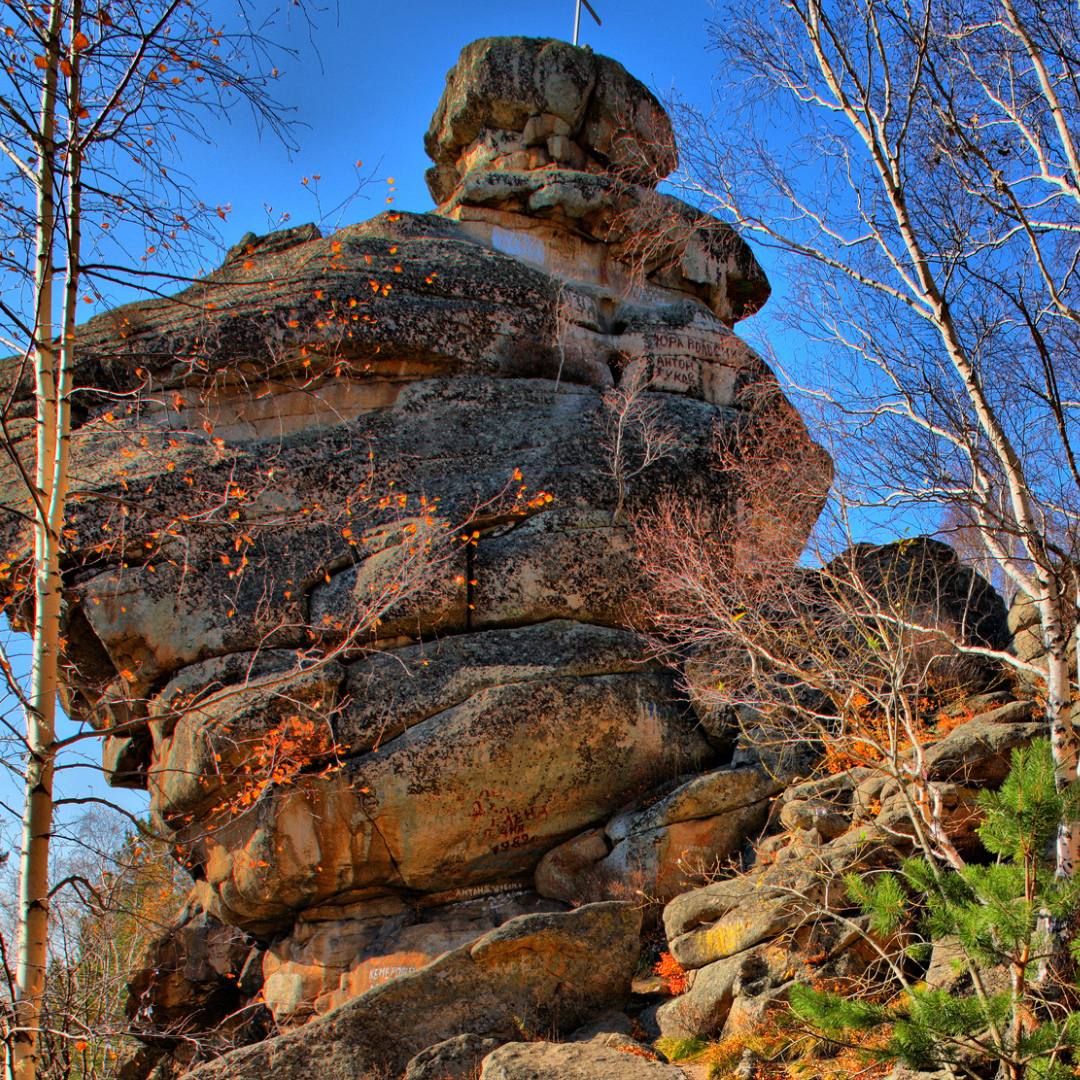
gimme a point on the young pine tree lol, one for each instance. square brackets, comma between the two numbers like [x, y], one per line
[1006, 1023]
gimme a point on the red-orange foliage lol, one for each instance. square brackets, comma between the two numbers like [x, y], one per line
[279, 756]
[867, 731]
[673, 973]
[638, 1051]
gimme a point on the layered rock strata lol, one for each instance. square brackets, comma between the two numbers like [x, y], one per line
[347, 570]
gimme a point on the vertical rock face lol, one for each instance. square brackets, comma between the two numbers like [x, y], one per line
[348, 576]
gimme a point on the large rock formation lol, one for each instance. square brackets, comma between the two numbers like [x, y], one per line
[347, 573]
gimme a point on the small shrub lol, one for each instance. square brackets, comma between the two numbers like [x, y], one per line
[673, 973]
[994, 911]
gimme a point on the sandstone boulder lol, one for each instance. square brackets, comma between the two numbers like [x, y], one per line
[543, 973]
[923, 580]
[532, 136]
[731, 996]
[426, 811]
[575, 1061]
[612, 1023]
[202, 978]
[730, 916]
[746, 916]
[348, 560]
[818, 814]
[458, 1058]
[980, 751]
[658, 849]
[338, 952]
[546, 91]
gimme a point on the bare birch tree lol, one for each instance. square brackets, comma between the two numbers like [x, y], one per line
[91, 100]
[918, 163]
[122, 891]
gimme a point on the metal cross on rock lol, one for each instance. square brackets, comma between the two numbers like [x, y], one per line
[577, 16]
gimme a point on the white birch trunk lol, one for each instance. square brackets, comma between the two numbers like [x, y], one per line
[52, 369]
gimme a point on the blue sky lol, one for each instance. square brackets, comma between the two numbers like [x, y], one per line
[367, 87]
